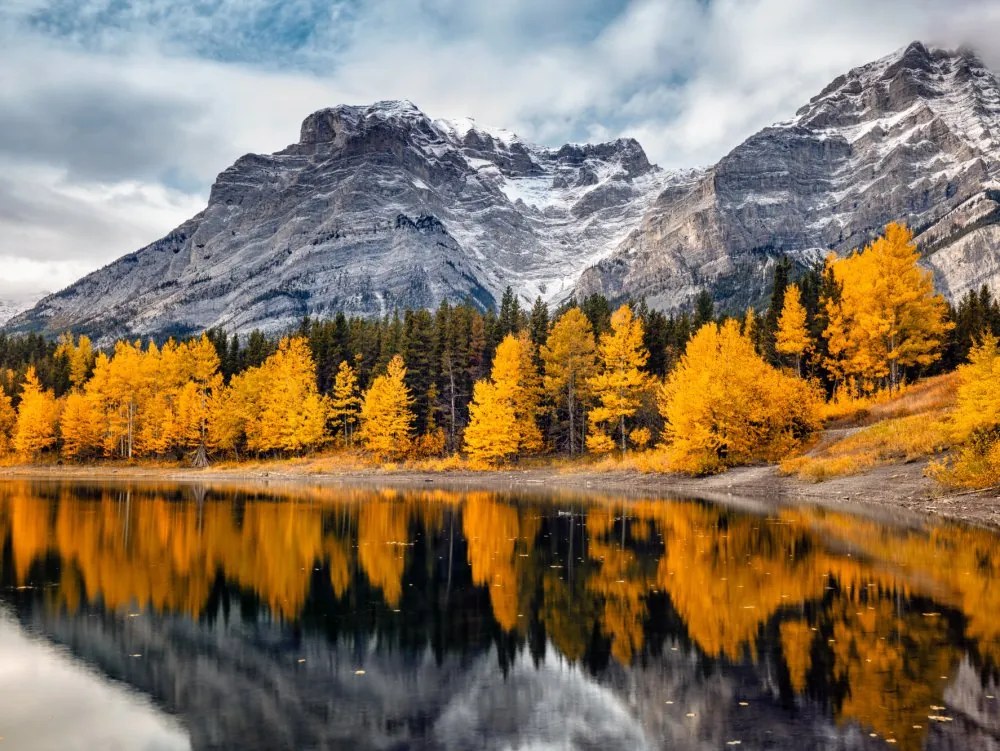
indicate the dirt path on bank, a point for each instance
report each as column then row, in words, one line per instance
column 896, row 493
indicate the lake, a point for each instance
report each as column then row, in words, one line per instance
column 175, row 617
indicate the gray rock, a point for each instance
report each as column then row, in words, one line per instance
column 913, row 137
column 375, row 208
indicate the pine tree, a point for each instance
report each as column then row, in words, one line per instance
column 345, row 404
column 570, row 358
column 620, row 382
column 386, row 414
column 792, row 337
column 704, row 309
column 538, row 322
column 510, row 320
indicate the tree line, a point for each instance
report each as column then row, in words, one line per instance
column 505, row 384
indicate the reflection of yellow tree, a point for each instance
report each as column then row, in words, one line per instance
column 796, row 645
column 620, row 582
column 383, row 531
column 492, row 530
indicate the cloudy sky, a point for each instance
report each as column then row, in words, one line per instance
column 116, row 115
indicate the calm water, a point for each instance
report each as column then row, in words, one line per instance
column 172, row 617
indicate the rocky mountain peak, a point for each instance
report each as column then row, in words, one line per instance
column 379, row 207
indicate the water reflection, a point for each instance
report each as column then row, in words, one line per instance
column 494, row 621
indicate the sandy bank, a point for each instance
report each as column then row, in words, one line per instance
column 897, row 493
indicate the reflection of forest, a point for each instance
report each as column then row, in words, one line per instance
column 871, row 621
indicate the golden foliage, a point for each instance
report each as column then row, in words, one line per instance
column 725, row 406
column 37, row 417
column 345, row 404
column 570, row 358
column 792, row 337
column 503, row 413
column 386, row 414
column 620, row 382
column 976, row 421
column 8, row 423
column 886, row 316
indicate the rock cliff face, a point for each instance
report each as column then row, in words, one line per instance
column 380, row 207
column 913, row 137
column 375, row 208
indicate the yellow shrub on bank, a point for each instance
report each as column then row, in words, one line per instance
column 725, row 406
column 976, row 421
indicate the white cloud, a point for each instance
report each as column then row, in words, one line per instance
column 92, row 111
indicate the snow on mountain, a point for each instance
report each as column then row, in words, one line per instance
column 910, row 137
column 374, row 208
column 380, row 207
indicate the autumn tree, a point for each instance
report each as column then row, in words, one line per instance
column 976, row 420
column 724, row 405
column 8, row 423
column 887, row 316
column 387, row 414
column 620, row 382
column 570, row 359
column 37, row 418
column 285, row 411
column 509, row 400
column 345, row 404
column 80, row 422
column 491, row 436
column 80, row 356
column 792, row 337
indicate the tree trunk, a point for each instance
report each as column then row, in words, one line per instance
column 200, row 460
column 572, row 426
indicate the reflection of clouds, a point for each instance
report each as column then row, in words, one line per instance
column 551, row 706
column 41, row 684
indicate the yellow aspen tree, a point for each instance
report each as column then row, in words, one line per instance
column 793, row 335
column 619, row 384
column 387, row 414
column 80, row 425
column 8, row 423
column 976, row 420
column 37, row 418
column 515, row 391
column 888, row 316
column 346, row 402
column 293, row 414
column 199, row 382
column 977, row 406
column 570, row 361
column 492, row 434
column 79, row 355
column 724, row 405
column 527, row 397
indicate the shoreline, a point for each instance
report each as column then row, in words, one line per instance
column 897, row 494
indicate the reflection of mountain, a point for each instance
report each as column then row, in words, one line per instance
column 477, row 616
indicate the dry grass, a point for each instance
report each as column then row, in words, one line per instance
column 931, row 394
column 912, row 425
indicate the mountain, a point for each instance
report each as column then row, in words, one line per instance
column 12, row 304
column 375, row 208
column 912, row 137
column 380, row 207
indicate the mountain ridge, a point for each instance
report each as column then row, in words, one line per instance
column 378, row 207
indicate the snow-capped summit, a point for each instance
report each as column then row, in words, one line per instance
column 331, row 224
column 379, row 207
column 913, row 137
